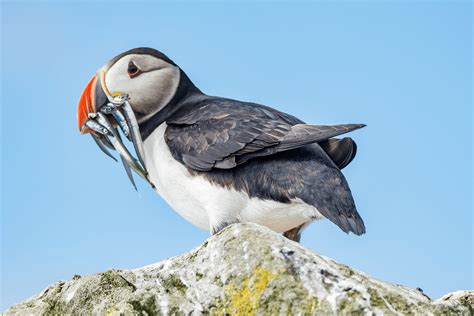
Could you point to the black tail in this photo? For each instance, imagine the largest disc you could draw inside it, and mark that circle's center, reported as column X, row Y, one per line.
column 326, row 188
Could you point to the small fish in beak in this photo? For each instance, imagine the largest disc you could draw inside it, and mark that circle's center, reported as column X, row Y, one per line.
column 135, row 133
column 118, row 116
column 95, row 108
column 96, row 127
column 102, row 146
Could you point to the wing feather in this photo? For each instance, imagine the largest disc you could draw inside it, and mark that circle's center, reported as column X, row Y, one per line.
column 222, row 134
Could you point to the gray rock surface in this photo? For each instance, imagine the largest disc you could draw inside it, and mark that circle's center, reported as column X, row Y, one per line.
column 244, row 270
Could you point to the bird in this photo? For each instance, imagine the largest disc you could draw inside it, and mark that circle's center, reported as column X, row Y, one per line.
column 218, row 161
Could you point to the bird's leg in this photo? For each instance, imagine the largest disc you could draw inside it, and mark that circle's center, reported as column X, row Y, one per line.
column 295, row 233
column 220, row 226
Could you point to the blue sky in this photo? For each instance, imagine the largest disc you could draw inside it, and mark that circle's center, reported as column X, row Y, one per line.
column 403, row 68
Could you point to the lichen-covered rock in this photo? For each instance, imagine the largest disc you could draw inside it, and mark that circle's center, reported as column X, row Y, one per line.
column 243, row 270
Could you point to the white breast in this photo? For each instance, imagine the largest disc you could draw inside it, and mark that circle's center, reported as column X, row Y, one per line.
column 207, row 205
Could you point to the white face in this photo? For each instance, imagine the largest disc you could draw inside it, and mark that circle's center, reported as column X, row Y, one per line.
column 149, row 81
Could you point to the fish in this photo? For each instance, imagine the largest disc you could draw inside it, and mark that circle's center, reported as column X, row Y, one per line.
column 118, row 116
column 111, row 109
column 118, row 112
column 93, row 125
column 134, row 132
column 116, row 142
column 128, row 171
column 102, row 146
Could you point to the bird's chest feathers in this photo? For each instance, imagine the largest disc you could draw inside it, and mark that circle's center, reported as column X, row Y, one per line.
column 207, row 205
column 172, row 180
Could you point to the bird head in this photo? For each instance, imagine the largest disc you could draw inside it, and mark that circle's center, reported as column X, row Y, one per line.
column 147, row 76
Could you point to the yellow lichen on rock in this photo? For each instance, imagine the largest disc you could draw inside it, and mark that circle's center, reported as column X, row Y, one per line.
column 111, row 311
column 243, row 298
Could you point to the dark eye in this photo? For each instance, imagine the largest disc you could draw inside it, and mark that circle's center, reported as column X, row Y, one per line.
column 133, row 70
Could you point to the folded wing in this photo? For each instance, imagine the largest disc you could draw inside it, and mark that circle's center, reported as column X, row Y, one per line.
column 223, row 135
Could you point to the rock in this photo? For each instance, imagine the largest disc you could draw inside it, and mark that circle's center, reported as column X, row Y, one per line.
column 245, row 269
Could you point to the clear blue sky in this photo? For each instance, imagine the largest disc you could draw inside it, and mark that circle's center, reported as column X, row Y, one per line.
column 402, row 68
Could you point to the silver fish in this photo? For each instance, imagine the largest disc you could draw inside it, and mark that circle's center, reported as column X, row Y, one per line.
column 105, row 141
column 109, row 108
column 119, row 99
column 116, row 142
column 93, row 125
column 102, row 146
column 128, row 171
column 118, row 116
column 112, row 109
column 134, row 132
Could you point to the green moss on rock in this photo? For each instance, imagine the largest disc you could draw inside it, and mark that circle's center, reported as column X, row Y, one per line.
column 174, row 282
column 145, row 305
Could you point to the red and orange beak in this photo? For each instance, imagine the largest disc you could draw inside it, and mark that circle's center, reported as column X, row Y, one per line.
column 92, row 98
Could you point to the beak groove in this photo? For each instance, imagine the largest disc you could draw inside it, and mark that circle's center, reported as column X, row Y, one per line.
column 86, row 105
column 91, row 100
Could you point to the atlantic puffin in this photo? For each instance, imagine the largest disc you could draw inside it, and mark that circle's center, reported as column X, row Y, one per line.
column 218, row 161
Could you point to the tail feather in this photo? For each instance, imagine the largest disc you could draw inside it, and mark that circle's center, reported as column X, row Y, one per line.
column 341, row 151
column 326, row 188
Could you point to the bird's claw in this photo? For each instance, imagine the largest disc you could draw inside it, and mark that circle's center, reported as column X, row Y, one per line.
column 106, row 136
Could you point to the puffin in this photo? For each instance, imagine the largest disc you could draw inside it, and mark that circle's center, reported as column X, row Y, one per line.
column 218, row 161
